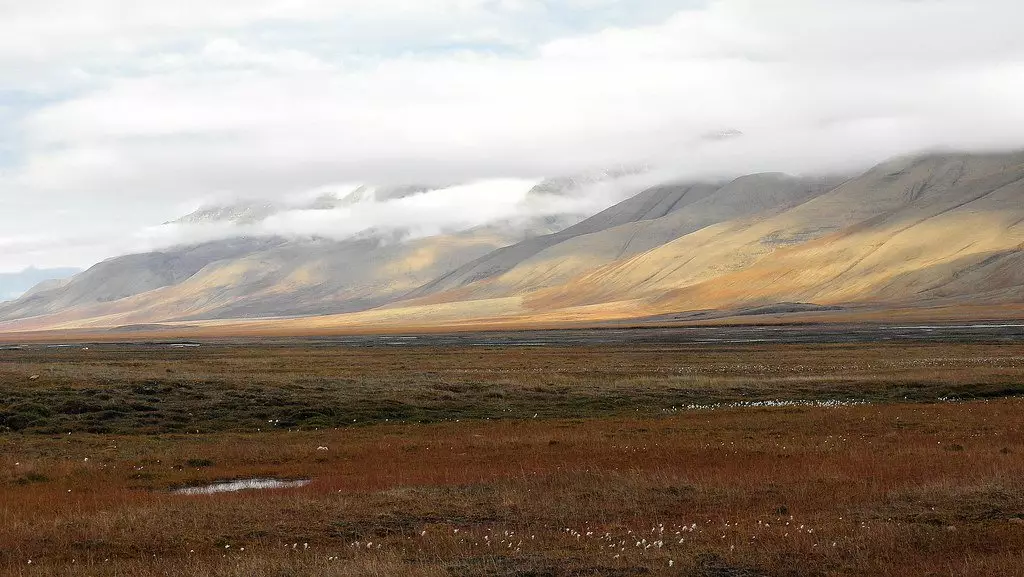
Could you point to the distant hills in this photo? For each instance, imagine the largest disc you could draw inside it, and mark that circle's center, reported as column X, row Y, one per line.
column 15, row 284
column 936, row 230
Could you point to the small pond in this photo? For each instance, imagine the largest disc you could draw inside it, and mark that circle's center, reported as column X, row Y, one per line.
column 240, row 485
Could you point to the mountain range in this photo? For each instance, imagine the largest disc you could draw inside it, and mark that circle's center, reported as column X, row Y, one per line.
column 922, row 232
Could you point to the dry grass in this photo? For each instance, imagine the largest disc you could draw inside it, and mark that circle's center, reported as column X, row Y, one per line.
column 916, row 489
column 155, row 389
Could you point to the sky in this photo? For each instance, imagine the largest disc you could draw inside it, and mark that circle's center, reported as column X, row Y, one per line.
column 119, row 115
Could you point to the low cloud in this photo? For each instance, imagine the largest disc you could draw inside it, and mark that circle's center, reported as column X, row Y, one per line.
column 247, row 101
column 511, row 204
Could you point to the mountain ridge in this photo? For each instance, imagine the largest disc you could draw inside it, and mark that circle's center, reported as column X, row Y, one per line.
column 927, row 230
column 16, row 284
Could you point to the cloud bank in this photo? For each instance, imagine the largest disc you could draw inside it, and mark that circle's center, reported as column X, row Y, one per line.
column 509, row 206
column 130, row 110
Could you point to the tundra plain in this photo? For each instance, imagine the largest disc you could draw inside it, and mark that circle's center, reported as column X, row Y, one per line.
column 518, row 456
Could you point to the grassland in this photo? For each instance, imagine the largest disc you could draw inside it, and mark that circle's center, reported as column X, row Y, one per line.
column 158, row 389
column 642, row 460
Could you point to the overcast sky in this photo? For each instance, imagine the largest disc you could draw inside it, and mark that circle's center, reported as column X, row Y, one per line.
column 117, row 115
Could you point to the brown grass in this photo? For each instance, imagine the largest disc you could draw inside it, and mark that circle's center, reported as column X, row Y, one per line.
column 915, row 489
column 156, row 389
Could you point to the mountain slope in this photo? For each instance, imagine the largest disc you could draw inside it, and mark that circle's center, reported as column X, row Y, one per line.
column 130, row 275
column 939, row 230
column 650, row 220
column 269, row 277
column 874, row 238
column 649, row 204
column 320, row 276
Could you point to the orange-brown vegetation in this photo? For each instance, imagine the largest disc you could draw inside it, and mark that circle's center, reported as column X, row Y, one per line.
column 610, row 486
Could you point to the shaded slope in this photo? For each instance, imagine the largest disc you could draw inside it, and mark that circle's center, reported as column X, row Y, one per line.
column 123, row 277
column 276, row 277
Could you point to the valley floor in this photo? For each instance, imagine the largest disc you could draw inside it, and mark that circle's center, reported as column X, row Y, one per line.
column 720, row 459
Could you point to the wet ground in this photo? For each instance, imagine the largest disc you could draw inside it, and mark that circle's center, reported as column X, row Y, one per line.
column 803, row 334
column 236, row 485
column 995, row 332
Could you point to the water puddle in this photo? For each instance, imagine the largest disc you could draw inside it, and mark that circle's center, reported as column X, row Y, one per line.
column 817, row 404
column 241, row 485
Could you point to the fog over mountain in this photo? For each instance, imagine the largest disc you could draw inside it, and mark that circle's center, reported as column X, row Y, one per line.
column 512, row 288
column 920, row 232
column 345, row 211
column 117, row 116
column 463, row 160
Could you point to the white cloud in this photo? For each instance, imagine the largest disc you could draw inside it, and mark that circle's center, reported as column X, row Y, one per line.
column 440, row 210
column 190, row 99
